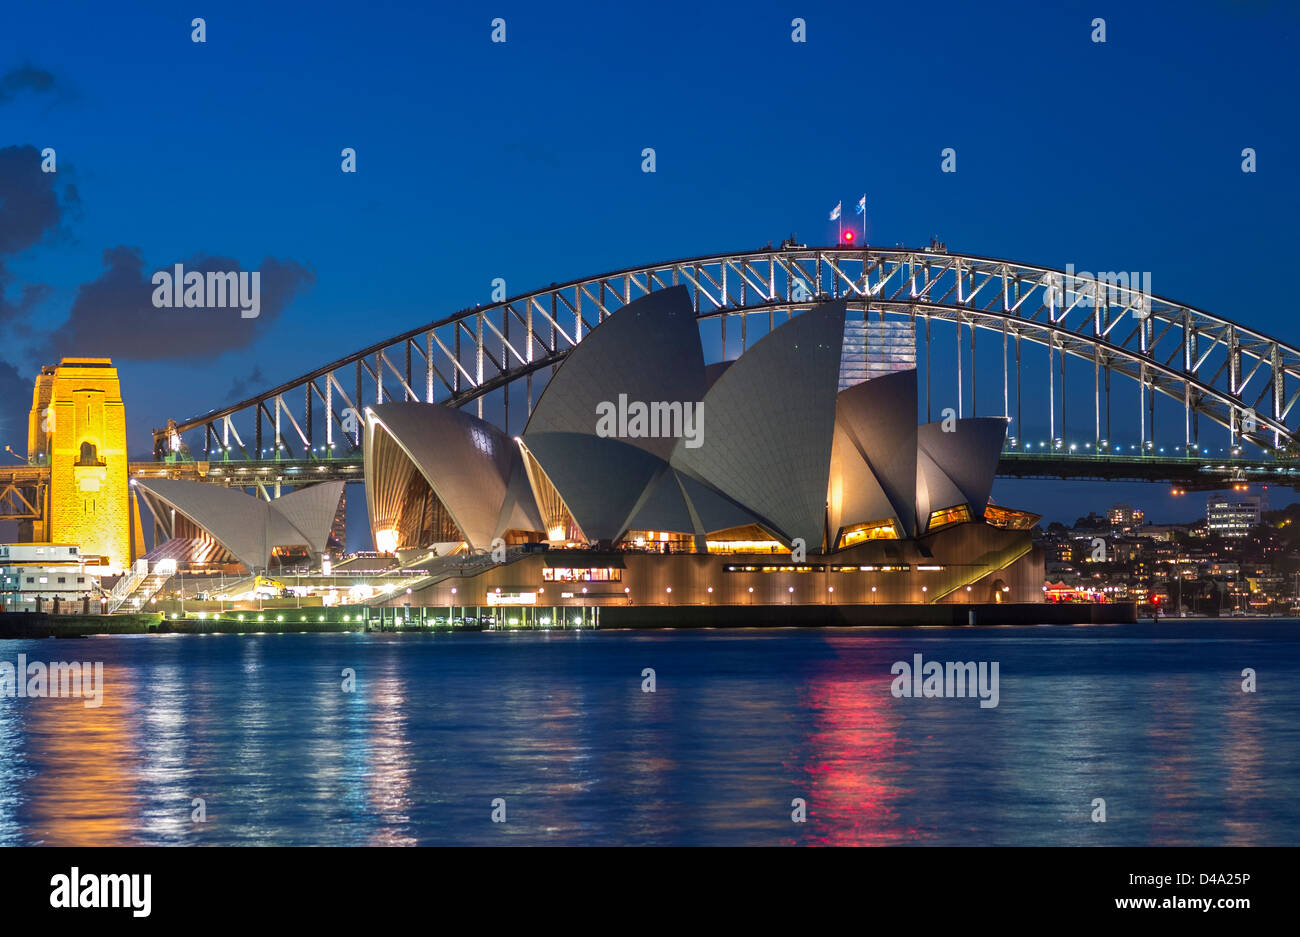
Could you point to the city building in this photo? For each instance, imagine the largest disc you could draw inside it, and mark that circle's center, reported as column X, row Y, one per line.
column 43, row 577
column 1125, row 516
column 651, row 478
column 1231, row 516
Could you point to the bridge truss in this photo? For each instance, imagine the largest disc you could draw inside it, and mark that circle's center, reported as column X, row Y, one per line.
column 1213, row 368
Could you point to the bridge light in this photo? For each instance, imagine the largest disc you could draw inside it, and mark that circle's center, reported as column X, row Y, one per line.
column 848, row 235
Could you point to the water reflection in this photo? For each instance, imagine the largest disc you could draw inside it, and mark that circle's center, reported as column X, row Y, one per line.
column 855, row 766
column 83, row 791
column 741, row 723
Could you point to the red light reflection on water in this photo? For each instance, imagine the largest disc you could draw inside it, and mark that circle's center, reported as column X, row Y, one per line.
column 854, row 763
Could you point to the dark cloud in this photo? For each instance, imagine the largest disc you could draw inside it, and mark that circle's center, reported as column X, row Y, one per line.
column 114, row 316
column 239, row 387
column 25, row 78
column 14, row 310
column 29, row 199
column 15, row 404
column 30, row 210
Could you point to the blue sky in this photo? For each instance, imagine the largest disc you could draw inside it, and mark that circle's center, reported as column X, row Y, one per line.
column 522, row 160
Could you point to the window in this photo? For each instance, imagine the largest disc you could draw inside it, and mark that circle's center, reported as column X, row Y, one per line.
column 954, row 515
column 875, row 530
column 30, row 579
column 89, row 455
column 62, row 579
column 594, row 574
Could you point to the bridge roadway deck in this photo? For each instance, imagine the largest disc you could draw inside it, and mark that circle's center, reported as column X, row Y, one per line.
column 1203, row 472
column 1187, row 472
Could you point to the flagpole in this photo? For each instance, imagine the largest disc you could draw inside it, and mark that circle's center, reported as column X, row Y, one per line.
column 864, row 219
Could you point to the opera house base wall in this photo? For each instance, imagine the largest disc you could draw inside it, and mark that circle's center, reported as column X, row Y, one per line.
column 971, row 563
column 992, row 574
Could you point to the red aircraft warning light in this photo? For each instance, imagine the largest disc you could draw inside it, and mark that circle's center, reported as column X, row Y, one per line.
column 847, row 236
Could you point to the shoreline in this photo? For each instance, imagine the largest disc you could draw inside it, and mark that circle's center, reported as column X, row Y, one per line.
column 31, row 625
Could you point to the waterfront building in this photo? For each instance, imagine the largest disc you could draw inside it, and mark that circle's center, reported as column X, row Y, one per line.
column 645, row 476
column 42, row 577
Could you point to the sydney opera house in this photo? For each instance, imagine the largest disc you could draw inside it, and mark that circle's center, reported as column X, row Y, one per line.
column 647, row 478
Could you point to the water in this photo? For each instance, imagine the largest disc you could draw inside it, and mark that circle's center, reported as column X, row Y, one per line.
column 1150, row 718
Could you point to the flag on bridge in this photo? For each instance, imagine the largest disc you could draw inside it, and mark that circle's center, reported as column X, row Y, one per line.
column 835, row 212
column 862, row 205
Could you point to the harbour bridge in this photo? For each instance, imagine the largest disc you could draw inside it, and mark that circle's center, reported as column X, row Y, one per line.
column 1138, row 347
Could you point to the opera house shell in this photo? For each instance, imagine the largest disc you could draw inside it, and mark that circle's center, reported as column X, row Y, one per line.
column 199, row 524
column 637, row 447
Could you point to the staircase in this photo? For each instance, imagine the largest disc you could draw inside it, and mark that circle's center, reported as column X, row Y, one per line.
column 153, row 571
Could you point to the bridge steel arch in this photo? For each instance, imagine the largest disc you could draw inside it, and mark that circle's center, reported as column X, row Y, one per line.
column 1235, row 376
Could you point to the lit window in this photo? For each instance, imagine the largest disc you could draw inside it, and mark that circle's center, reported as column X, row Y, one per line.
column 958, row 514
column 875, row 530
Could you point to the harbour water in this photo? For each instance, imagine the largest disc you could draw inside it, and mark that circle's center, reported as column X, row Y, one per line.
column 258, row 739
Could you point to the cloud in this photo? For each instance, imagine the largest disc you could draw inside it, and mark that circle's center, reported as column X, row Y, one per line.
column 15, row 312
column 29, row 200
column 25, row 78
column 15, row 404
column 30, row 210
column 114, row 316
column 240, row 385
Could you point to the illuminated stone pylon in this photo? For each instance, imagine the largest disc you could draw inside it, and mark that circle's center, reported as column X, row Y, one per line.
column 78, row 428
